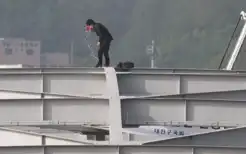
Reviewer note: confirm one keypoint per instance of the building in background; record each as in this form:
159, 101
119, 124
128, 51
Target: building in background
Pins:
28, 53
19, 51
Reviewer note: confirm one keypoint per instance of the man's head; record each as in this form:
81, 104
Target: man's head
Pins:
89, 25
90, 22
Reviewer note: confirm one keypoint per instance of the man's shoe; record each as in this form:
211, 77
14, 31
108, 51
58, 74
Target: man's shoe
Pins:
98, 65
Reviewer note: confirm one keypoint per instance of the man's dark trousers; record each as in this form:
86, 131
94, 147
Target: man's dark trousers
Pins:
104, 50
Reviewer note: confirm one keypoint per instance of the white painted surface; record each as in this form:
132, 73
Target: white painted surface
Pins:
14, 95
21, 110
11, 66
10, 138
53, 141
70, 135
82, 110
121, 150
115, 121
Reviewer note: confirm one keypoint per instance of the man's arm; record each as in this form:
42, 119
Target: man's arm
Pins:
99, 33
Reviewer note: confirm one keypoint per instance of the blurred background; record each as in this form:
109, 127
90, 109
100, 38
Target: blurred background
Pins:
185, 33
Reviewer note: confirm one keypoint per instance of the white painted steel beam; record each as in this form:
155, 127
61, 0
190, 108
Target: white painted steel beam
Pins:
13, 94
229, 95
101, 70
69, 149
86, 82
13, 137
53, 70
59, 125
144, 84
239, 43
115, 120
190, 124
234, 137
134, 111
69, 83
89, 127
142, 111
180, 70
66, 109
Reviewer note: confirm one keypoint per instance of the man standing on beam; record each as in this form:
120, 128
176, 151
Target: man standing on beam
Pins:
104, 42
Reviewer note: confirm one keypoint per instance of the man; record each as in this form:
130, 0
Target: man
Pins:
105, 39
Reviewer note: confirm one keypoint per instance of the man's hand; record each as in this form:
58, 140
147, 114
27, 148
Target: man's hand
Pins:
98, 43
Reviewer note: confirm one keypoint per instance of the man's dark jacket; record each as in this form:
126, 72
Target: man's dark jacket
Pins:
103, 33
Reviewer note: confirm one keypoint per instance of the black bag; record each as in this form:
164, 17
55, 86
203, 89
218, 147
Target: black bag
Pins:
125, 66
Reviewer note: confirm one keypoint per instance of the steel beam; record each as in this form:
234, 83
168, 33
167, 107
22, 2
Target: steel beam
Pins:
75, 84
190, 124
233, 137
52, 70
80, 81
70, 109
54, 82
58, 125
101, 70
115, 120
141, 111
233, 95
87, 149
182, 70
13, 94
140, 84
13, 137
